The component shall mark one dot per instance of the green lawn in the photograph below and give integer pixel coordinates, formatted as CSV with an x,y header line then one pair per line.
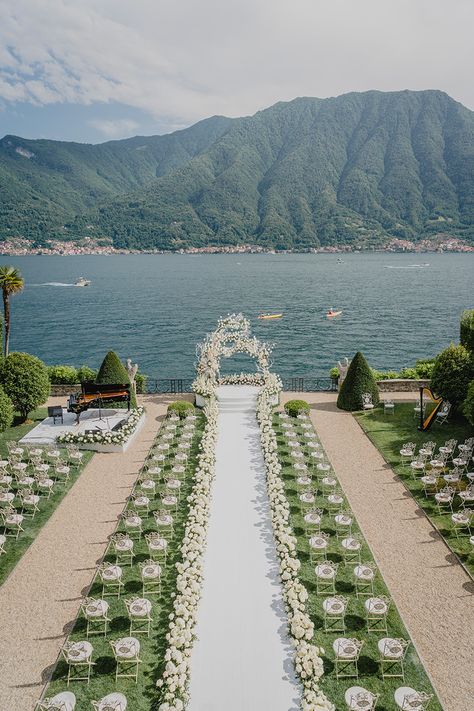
x,y
369,673
389,432
15,548
142,696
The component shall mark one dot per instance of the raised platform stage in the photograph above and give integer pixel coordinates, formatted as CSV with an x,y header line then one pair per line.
x,y
46,432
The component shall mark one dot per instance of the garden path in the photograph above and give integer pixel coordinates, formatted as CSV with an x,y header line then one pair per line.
x,y
433,593
41,597
242,658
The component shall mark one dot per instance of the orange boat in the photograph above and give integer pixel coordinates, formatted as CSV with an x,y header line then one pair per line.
x,y
333,312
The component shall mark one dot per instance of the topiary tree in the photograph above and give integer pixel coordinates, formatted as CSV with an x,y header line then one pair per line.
x,y
182,408
452,372
468,404
359,380
6,411
111,372
25,380
467,329
294,407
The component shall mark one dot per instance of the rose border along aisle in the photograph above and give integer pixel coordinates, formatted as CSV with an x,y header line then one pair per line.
x,y
175,678
308,662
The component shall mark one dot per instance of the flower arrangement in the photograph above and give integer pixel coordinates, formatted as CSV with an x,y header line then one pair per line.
x,y
105,436
174,681
231,336
308,661
242,379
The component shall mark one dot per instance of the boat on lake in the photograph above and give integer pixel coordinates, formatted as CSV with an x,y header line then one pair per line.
x,y
82,282
333,312
267,317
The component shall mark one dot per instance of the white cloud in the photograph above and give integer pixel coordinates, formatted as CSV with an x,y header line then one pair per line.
x,y
116,128
183,60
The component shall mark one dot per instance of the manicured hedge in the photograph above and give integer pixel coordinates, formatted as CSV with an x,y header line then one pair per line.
x,y
113,371
181,408
452,373
294,407
359,380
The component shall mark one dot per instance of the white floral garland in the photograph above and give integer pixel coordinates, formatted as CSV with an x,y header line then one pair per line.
x,y
308,662
231,336
174,682
105,436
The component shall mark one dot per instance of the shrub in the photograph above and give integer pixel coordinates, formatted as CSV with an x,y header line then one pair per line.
x,y
408,374
334,372
424,368
25,381
453,371
86,374
112,371
140,382
62,374
385,374
6,411
181,408
468,404
359,380
467,330
294,407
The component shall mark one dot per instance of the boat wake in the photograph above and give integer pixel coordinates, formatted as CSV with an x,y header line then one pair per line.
x,y
53,283
407,266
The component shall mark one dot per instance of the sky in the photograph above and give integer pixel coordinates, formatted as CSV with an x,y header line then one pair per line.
x,y
96,70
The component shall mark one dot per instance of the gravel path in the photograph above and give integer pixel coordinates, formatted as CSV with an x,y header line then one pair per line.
x,y
41,597
433,593
242,660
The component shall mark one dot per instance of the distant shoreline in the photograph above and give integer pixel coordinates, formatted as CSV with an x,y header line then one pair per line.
x,y
197,252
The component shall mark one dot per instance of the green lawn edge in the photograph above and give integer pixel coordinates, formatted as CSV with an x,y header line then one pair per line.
x,y
387,433
15,549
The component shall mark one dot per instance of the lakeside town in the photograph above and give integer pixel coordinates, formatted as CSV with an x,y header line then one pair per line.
x,y
22,247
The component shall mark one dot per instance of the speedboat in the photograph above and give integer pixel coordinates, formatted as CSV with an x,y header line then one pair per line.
x,y
266,317
333,312
82,282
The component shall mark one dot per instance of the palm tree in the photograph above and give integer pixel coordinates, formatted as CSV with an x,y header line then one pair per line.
x,y
11,282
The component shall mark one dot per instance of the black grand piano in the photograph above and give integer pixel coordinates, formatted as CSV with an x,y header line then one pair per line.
x,y
95,394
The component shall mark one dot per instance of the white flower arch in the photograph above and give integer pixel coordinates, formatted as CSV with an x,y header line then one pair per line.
x,y
232,335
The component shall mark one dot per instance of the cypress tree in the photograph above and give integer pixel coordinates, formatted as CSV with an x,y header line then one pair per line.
x,y
359,380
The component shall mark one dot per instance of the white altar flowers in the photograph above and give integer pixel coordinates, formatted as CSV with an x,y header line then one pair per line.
x,y
231,336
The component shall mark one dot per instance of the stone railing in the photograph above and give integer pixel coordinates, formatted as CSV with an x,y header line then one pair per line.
x,y
401,385
59,390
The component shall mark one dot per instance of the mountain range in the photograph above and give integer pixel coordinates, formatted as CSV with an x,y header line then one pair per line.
x,y
358,169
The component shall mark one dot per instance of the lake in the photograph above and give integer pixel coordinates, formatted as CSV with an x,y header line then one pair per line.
x,y
155,308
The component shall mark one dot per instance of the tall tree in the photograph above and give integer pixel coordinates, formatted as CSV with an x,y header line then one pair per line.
x,y
11,282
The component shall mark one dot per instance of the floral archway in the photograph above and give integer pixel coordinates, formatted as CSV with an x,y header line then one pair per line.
x,y
231,336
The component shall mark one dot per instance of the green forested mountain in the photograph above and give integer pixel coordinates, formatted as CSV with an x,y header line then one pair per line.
x,y
356,169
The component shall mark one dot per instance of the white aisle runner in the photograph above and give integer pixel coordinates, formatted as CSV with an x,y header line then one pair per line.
x,y
242,659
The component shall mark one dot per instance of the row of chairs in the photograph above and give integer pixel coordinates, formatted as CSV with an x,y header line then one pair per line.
x,y
156,480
